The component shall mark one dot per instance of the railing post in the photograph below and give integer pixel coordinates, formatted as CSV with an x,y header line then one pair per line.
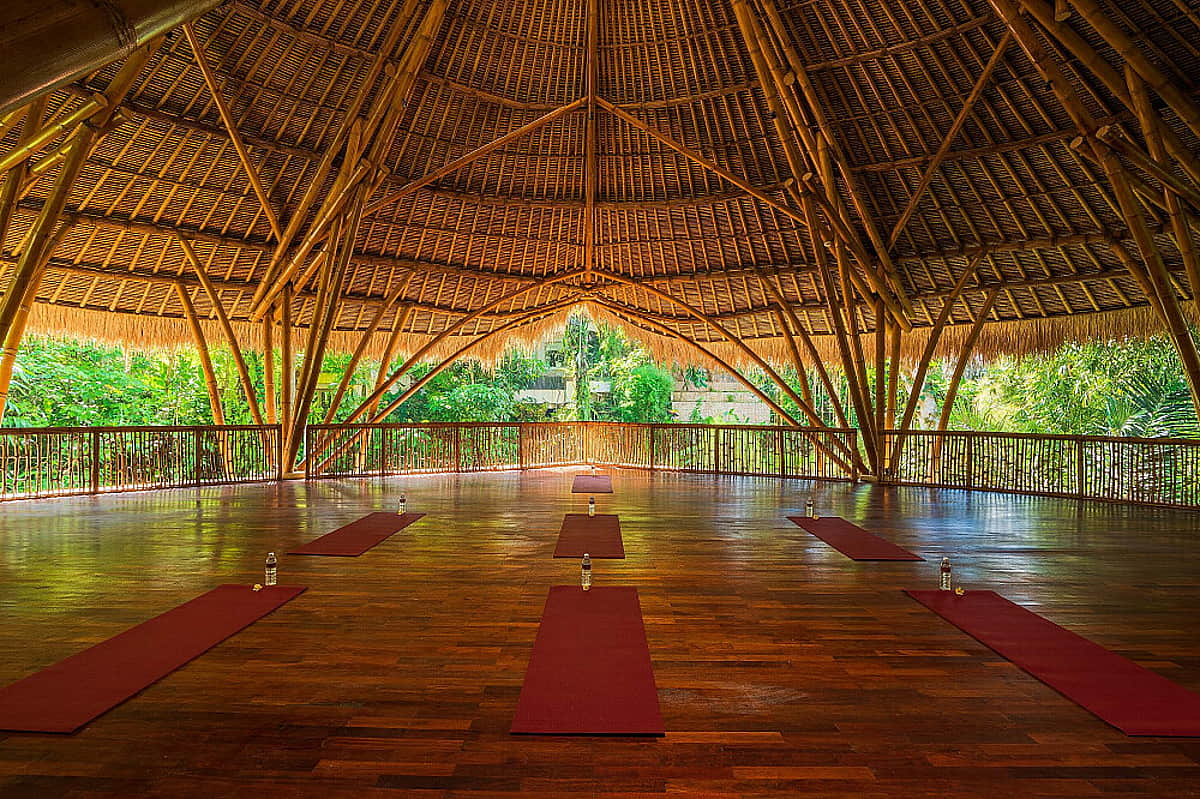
x,y
521,446
383,451
970,461
717,450
779,445
279,452
94,480
1081,477
197,455
458,467
651,463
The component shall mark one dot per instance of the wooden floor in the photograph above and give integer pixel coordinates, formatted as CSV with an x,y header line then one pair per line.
x,y
783,668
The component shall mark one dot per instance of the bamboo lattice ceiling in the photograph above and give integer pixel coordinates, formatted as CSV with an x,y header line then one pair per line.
x,y
701,192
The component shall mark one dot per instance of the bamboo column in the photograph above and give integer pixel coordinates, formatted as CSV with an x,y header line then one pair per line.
x,y
268,337
235,348
206,367
287,366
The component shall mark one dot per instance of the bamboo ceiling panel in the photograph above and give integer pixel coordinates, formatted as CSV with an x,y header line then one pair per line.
x,y
748,142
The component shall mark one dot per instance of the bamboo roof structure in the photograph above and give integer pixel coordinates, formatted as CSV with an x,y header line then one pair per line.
x,y
704,171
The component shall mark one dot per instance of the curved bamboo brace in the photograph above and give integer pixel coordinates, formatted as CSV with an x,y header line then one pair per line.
x,y
226,327
625,313
412,360
808,410
530,318
775,378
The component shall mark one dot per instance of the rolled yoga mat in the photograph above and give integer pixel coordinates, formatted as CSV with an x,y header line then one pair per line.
x,y
1131,698
590,671
358,536
63,697
851,540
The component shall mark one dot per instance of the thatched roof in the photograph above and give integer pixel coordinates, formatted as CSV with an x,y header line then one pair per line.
x,y
1011,194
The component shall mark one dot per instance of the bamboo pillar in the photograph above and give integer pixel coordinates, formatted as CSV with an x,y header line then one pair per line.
x,y
210,376
235,348
12,342
287,366
963,356
16,176
268,336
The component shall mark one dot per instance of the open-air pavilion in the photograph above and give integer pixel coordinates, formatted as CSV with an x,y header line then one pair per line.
x,y
836,190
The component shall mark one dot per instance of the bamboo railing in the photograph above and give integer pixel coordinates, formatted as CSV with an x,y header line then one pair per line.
x,y
377,449
61,461
40,462
1145,471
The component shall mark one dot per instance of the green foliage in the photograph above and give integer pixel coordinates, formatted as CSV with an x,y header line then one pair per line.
x,y
642,394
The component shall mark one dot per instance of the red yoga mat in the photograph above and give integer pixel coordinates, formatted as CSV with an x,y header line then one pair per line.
x,y
592,484
590,671
1133,699
598,536
357,537
65,696
851,540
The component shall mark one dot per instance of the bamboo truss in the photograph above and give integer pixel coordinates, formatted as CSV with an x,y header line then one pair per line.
x,y
777,183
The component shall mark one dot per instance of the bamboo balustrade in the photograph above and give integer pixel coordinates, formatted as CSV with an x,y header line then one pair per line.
x,y
1144,471
60,461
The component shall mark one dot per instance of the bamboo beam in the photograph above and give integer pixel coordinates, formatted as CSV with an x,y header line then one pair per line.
x,y
12,343
1156,270
359,350
955,128
1077,46
1113,138
889,282
1126,47
412,360
963,356
810,348
1179,218
50,131
526,319
206,367
46,45
39,236
590,174
365,148
476,154
227,328
931,343
838,457
234,136
336,146
32,118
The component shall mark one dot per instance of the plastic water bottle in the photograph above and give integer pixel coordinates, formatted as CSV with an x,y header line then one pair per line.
x,y
810,510
272,570
945,571
591,506
403,508
585,572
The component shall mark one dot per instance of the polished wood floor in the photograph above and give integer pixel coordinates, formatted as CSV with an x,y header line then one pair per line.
x,y
783,669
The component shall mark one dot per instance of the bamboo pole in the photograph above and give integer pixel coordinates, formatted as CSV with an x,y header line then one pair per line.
x,y
32,118
381,388
590,172
12,343
231,126
1126,47
964,355
39,236
811,348
839,457
774,82
359,350
287,366
269,398
1179,218
1127,202
206,367
955,128
231,340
